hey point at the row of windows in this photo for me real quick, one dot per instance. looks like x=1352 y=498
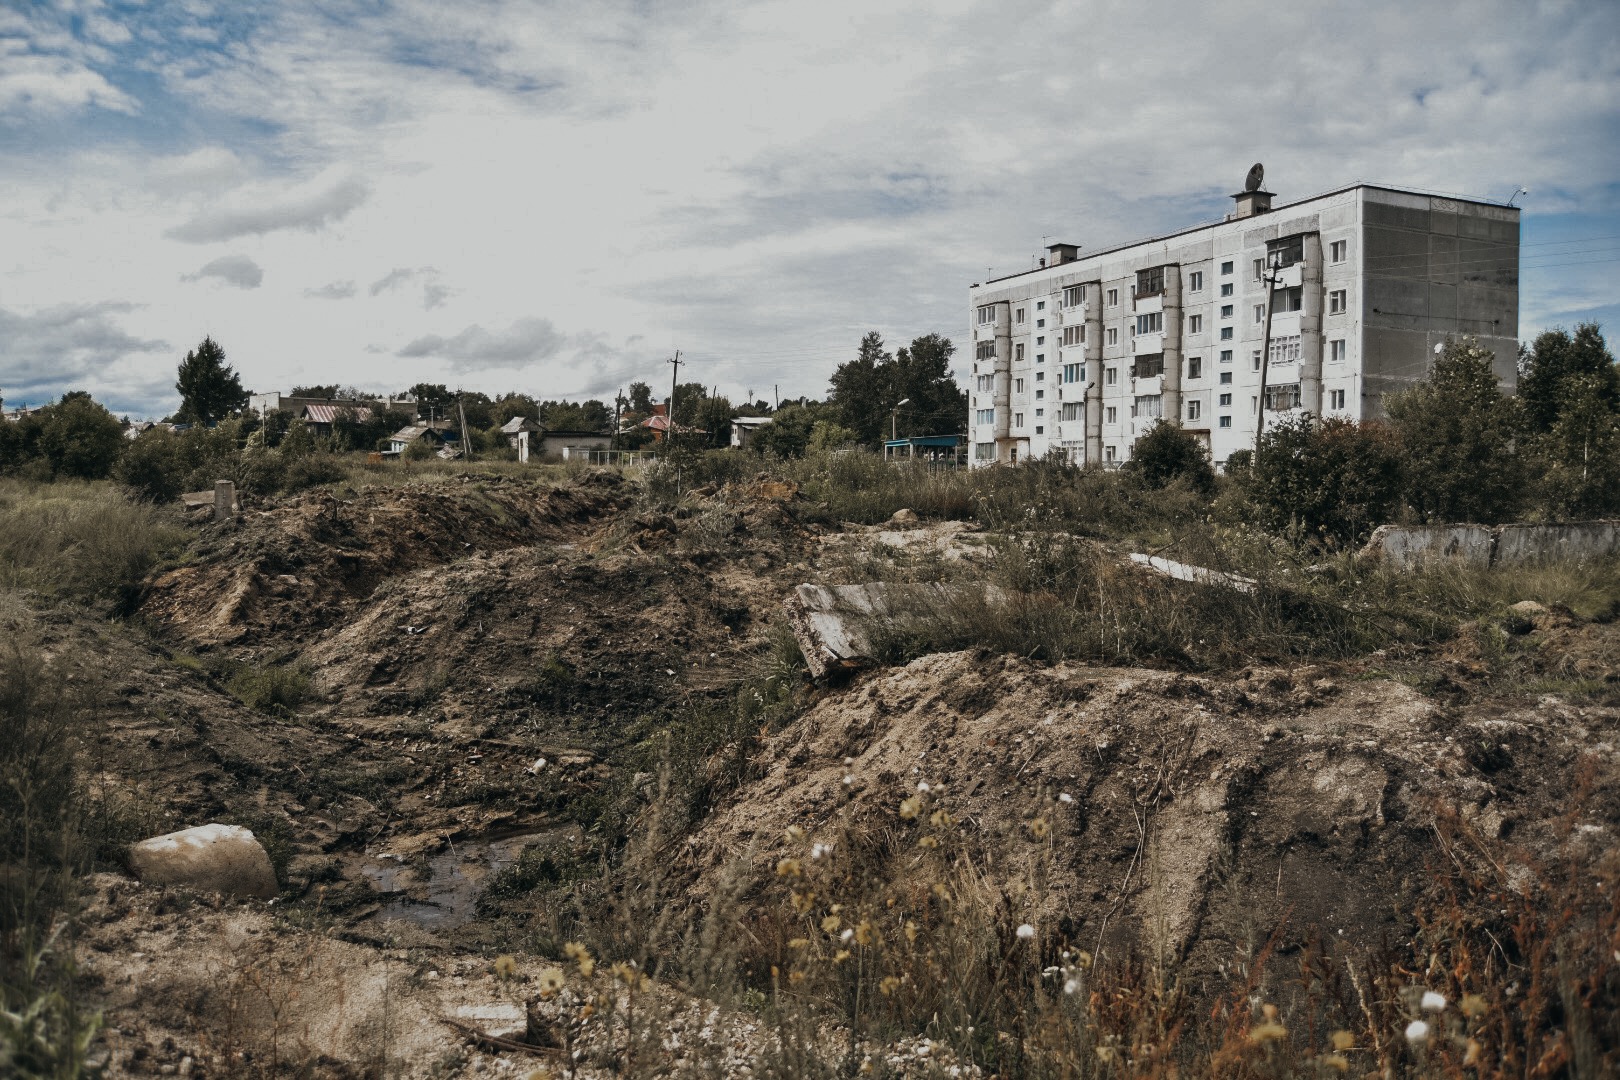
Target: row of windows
x=1151 y=281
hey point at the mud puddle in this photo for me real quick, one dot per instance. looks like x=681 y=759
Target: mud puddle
x=442 y=890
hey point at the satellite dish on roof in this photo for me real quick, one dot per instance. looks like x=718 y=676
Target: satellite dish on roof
x=1256 y=177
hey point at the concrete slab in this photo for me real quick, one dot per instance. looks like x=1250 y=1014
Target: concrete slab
x=213 y=857
x=834 y=624
x=1199 y=574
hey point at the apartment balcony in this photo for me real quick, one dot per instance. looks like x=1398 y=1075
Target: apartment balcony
x=1290 y=277
x=1147 y=303
x=1147 y=344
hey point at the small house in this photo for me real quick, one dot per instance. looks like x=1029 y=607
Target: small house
x=320 y=418
x=436 y=434
x=744 y=428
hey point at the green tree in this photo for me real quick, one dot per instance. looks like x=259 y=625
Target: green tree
x=510 y=405
x=79 y=437
x=153 y=465
x=1167 y=453
x=433 y=400
x=1330 y=482
x=1578 y=458
x=1553 y=361
x=641 y=401
x=789 y=432
x=209 y=389
x=1458 y=437
x=866 y=390
x=590 y=415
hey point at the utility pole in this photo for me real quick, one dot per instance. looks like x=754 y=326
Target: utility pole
x=776 y=393
x=466 y=444
x=618 y=408
x=1272 y=273
x=674 y=381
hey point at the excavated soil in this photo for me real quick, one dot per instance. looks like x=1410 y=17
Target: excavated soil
x=485 y=657
x=1181 y=815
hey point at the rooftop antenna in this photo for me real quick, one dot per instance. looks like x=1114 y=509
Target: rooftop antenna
x=1516 y=193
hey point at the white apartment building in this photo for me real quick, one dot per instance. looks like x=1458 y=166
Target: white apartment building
x=1082 y=355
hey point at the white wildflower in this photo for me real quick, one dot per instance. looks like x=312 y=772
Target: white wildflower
x=1417 y=1031
x=1065 y=798
x=1026 y=931
x=922 y=785
x=1071 y=986
x=1433 y=1002
x=846 y=935
x=818 y=850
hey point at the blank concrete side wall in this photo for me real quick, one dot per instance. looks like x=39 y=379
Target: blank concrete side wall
x=1435 y=268
x=1406 y=547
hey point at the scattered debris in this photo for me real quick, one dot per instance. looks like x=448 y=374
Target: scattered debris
x=1199 y=574
x=834 y=623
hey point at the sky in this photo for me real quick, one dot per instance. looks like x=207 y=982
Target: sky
x=555 y=197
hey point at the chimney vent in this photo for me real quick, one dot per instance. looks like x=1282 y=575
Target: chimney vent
x=1062 y=253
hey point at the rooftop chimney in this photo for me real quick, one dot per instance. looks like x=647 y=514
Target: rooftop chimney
x=1250 y=203
x=1062 y=253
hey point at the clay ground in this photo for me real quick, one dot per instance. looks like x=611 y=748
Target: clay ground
x=489 y=662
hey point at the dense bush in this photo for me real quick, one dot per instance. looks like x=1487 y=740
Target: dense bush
x=1331 y=481
x=80 y=538
x=1167 y=453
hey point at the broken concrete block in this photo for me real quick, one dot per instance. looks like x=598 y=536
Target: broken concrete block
x=213 y=857
x=834 y=624
x=504 y=1020
x=1407 y=547
x=1577 y=540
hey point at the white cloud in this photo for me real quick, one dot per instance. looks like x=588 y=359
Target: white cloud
x=237 y=270
x=754 y=183
x=61 y=347
x=526 y=341
x=249 y=214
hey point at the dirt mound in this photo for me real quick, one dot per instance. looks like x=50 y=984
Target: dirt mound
x=285 y=573
x=1185 y=815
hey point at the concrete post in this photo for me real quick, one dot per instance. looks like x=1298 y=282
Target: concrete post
x=1170 y=402
x=1094 y=374
x=1310 y=327
x=224 y=500
x=523 y=448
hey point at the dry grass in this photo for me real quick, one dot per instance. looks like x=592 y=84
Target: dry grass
x=80 y=538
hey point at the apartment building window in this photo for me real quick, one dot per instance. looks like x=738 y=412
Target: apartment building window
x=1226 y=356
x=1039 y=323
x=1073 y=373
x=1195 y=367
x=1285 y=396
x=1040 y=429
x=1195 y=324
x=1150 y=282
x=1225 y=421
x=1226 y=289
x=986 y=382
x=1193 y=408
x=1146 y=367
x=1338 y=302
x=1226 y=401
x=1111 y=415
x=1071 y=411
x=1291 y=299
x=1256 y=359
x=1039 y=413
x=1074 y=335
x=985 y=416
x=1285 y=350
x=1040 y=305
x=1226 y=268
x=1226 y=333
x=1018 y=386
x=1110 y=376
x=1259 y=269
x=1226 y=378
x=1112 y=335
x=1108 y=452
x=1151 y=323
x=1074 y=296
x=1226 y=311
x=1336 y=351
x=1259 y=314
x=1040 y=395
x=984 y=451
x=1335 y=399
x=987 y=314
x=1040 y=376
x=1018 y=351
x=1019 y=316
x=1195 y=281
x=1338 y=251
x=1148 y=407
x=1040 y=358
x=1113 y=297
x=984 y=350
x=1287 y=250
x=1040 y=340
